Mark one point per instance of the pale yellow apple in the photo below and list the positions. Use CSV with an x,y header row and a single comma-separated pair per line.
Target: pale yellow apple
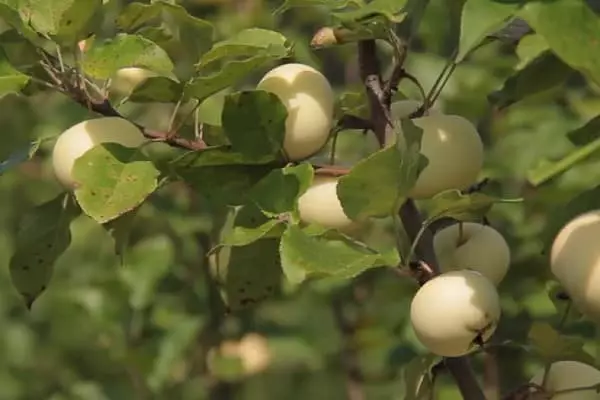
x,y
564,375
80,138
575,262
309,100
127,79
455,153
402,109
452,311
469,245
252,350
321,205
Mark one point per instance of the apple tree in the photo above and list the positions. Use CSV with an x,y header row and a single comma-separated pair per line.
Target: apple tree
x,y
300,198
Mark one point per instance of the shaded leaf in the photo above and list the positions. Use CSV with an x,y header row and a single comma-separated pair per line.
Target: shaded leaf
x,y
392,10
113,180
254,122
390,173
9,11
552,346
157,89
516,29
571,29
119,229
563,305
104,59
242,236
418,378
323,256
480,18
329,4
20,156
588,133
544,73
461,206
44,234
218,156
546,169
11,80
278,192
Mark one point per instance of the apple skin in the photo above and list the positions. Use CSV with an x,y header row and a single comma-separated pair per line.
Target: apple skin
x,y
451,310
401,109
565,375
454,150
309,100
575,262
320,205
127,79
478,247
253,351
80,138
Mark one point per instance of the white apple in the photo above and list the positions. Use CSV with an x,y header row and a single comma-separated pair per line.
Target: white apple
x,y
575,262
565,375
401,109
452,311
80,138
454,150
469,245
320,205
252,350
126,79
309,100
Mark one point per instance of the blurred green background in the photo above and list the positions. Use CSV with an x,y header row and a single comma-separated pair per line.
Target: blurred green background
x,y
143,330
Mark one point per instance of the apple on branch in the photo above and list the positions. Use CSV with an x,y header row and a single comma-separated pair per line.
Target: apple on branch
x,y
470,245
568,376
80,138
454,312
309,100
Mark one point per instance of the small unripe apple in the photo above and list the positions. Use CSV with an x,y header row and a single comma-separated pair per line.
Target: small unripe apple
x,y
309,100
454,311
80,138
565,375
469,245
575,262
454,150
320,205
127,79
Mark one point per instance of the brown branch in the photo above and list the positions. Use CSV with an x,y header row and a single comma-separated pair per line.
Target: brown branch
x,y
330,170
409,214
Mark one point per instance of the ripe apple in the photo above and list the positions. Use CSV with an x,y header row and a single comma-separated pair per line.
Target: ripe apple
x,y
565,375
80,138
575,262
126,79
453,311
309,100
320,205
469,245
454,150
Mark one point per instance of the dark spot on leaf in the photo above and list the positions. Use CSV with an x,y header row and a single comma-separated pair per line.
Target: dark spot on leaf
x,y
25,267
68,22
562,296
43,288
248,283
241,290
49,245
93,193
40,260
270,289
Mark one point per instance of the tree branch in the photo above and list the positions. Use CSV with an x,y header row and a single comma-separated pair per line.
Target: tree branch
x,y
409,214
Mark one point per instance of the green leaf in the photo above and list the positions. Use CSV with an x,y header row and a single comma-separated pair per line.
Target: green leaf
x,y
157,89
552,346
461,206
119,229
20,156
249,274
64,20
544,73
242,236
588,133
104,59
44,234
328,4
571,29
547,170
9,12
19,51
418,378
278,192
113,180
135,15
249,43
218,156
224,184
239,56
582,203
529,48
390,173
562,305
148,263
392,10
11,80
322,256
480,18
254,122
353,103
